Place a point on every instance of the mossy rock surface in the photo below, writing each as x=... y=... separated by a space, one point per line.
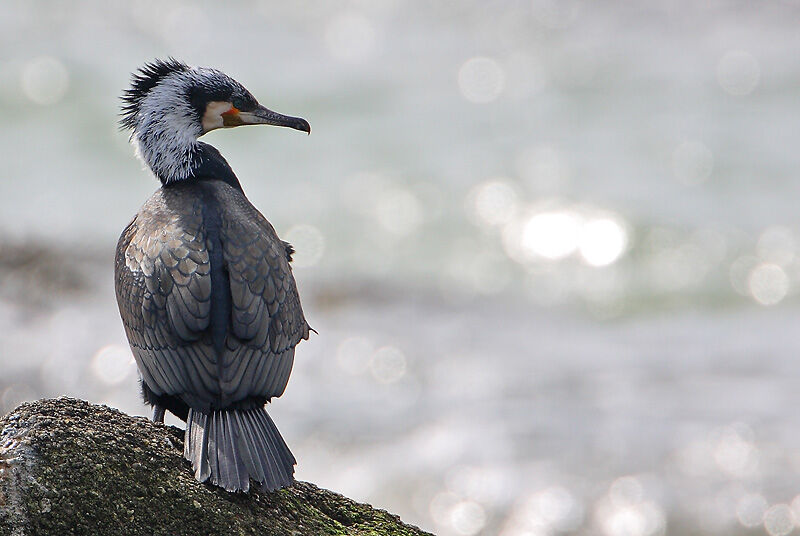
x=70 y=467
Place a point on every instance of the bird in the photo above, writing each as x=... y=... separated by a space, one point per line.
x=203 y=283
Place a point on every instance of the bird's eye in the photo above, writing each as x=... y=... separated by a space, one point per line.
x=238 y=103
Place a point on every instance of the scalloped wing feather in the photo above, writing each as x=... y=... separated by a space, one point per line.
x=163 y=282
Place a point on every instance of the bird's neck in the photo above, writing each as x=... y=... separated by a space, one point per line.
x=178 y=156
x=212 y=166
x=170 y=153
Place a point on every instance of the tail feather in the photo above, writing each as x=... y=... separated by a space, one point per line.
x=252 y=459
x=195 y=445
x=230 y=466
x=230 y=447
x=262 y=438
x=277 y=441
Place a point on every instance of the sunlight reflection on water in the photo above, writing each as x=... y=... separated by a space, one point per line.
x=550 y=247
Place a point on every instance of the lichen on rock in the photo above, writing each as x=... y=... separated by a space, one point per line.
x=70 y=467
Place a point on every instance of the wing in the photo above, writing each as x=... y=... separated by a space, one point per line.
x=267 y=319
x=163 y=283
x=163 y=287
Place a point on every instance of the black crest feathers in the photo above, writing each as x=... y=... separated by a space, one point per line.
x=142 y=82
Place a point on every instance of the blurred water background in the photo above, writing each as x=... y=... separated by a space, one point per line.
x=550 y=247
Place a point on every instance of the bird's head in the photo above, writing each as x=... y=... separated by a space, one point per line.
x=170 y=104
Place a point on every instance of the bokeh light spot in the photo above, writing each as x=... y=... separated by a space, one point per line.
x=467 y=518
x=750 y=510
x=734 y=451
x=112 y=364
x=602 y=241
x=739 y=273
x=625 y=512
x=388 y=364
x=552 y=235
x=492 y=203
x=779 y=520
x=553 y=509
x=440 y=507
x=643 y=519
x=399 y=212
x=738 y=72
x=768 y=284
x=481 y=79
x=45 y=80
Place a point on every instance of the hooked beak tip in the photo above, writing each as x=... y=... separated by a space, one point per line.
x=268 y=117
x=303 y=126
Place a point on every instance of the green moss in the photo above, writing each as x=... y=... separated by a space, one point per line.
x=86 y=469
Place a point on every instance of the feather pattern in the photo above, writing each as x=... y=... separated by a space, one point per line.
x=163 y=109
x=203 y=282
x=142 y=82
x=166 y=305
x=166 y=297
x=231 y=447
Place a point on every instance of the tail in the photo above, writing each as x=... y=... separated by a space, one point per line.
x=232 y=446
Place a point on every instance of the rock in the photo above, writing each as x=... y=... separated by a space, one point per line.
x=70 y=467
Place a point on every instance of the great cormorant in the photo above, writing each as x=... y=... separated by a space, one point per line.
x=203 y=282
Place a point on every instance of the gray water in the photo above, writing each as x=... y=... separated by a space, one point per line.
x=550 y=248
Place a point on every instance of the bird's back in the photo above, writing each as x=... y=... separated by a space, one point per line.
x=207 y=298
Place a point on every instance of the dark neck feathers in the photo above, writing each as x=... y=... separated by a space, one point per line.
x=212 y=166
x=206 y=164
